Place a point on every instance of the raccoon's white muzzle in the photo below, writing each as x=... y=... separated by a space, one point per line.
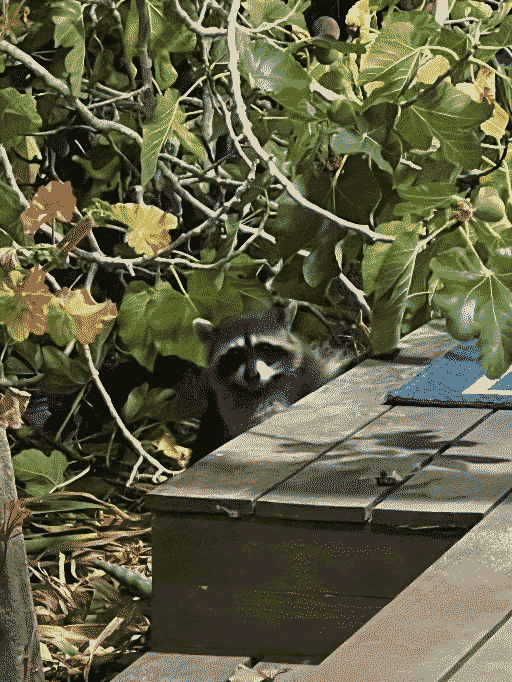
x=257 y=375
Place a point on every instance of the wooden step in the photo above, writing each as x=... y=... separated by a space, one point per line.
x=156 y=667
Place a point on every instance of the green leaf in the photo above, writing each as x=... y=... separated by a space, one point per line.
x=131 y=31
x=390 y=296
x=424 y=283
x=375 y=254
x=102 y=164
x=422 y=199
x=159 y=320
x=158 y=405
x=70 y=32
x=62 y=373
x=230 y=292
x=452 y=117
x=39 y=473
x=470 y=8
x=10 y=210
x=135 y=401
x=61 y=325
x=394 y=56
x=105 y=72
x=290 y=282
x=165 y=73
x=273 y=10
x=167 y=123
x=270 y=70
x=31 y=353
x=476 y=304
x=18 y=116
x=321 y=264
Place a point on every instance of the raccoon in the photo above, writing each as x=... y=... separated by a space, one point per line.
x=256 y=368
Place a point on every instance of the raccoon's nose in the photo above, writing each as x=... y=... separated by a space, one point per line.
x=251 y=375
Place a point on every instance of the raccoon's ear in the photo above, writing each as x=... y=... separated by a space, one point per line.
x=286 y=315
x=203 y=329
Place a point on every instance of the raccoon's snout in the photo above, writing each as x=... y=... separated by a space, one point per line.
x=256 y=375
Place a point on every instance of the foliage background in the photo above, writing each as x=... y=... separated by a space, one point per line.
x=223 y=170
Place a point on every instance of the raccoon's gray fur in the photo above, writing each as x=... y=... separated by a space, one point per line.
x=256 y=368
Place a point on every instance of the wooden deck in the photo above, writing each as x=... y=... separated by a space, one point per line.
x=282 y=545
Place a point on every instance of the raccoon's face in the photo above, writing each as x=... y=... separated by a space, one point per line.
x=253 y=362
x=250 y=353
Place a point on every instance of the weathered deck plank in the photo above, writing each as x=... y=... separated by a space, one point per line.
x=491 y=661
x=460 y=486
x=270 y=540
x=342 y=484
x=262 y=554
x=287 y=673
x=226 y=621
x=290 y=588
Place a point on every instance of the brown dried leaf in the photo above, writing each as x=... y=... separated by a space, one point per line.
x=31 y=299
x=57 y=200
x=53 y=202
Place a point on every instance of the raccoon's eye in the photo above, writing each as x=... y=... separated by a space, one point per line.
x=230 y=362
x=270 y=354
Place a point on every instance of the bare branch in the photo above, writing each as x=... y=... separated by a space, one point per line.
x=10 y=176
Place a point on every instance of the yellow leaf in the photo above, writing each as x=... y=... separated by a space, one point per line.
x=148 y=227
x=430 y=71
x=26 y=173
x=484 y=90
x=170 y=449
x=88 y=315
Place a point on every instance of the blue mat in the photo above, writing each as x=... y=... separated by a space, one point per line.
x=456 y=380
